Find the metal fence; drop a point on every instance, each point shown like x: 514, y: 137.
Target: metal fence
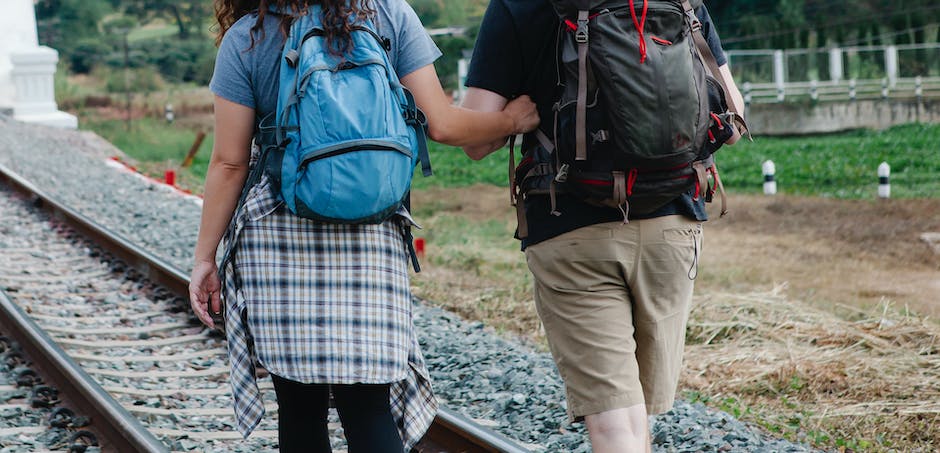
x: 838, y: 74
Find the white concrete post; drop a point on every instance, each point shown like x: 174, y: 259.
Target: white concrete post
x: 884, y: 183
x: 835, y: 65
x: 891, y: 65
x: 770, y: 183
x: 18, y: 23
x: 33, y: 74
x: 27, y: 70
x: 780, y: 74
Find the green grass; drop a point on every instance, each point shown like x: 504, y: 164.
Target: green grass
x: 152, y: 141
x: 452, y: 168
x: 838, y: 165
x: 152, y: 32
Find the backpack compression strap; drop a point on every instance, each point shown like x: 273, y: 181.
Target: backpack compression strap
x: 581, y: 37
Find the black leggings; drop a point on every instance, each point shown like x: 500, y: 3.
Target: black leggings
x: 364, y: 410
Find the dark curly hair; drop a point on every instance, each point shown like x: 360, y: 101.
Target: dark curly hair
x: 336, y: 17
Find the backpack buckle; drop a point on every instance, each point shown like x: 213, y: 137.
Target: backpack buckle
x: 694, y: 23
x: 581, y: 34
x: 562, y: 175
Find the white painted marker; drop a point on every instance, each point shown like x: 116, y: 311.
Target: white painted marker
x: 770, y: 185
x: 884, y: 185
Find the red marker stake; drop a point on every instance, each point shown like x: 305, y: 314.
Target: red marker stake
x: 169, y: 177
x: 419, y: 247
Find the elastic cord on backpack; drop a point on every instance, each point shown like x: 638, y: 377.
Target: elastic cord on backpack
x: 640, y: 24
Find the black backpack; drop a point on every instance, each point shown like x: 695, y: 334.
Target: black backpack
x: 639, y: 113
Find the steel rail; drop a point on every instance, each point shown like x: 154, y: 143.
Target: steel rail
x: 450, y: 431
x: 117, y: 429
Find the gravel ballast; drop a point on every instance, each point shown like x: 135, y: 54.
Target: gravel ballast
x: 507, y: 385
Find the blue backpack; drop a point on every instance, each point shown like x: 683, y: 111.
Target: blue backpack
x: 348, y: 135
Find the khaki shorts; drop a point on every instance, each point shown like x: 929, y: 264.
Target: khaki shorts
x: 614, y: 300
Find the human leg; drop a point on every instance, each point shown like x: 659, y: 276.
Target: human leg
x: 302, y: 416
x: 623, y: 430
x: 584, y: 303
x: 662, y: 287
x: 366, y: 413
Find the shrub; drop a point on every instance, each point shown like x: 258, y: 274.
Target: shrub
x: 137, y: 80
x: 86, y: 54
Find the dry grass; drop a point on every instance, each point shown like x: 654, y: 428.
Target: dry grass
x: 825, y: 358
x: 872, y: 384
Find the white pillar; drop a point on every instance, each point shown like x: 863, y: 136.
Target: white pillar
x: 27, y: 70
x: 835, y: 65
x: 780, y: 74
x: 18, y: 23
x: 891, y: 65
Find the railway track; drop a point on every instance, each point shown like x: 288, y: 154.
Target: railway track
x: 105, y: 328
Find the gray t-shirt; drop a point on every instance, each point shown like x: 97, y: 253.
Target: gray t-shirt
x: 250, y: 76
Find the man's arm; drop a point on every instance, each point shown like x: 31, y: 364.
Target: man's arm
x: 736, y: 98
x: 484, y: 101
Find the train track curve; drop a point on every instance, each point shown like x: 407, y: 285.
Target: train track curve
x: 133, y: 359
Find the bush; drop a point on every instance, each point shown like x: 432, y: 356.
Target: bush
x: 136, y: 80
x: 178, y: 60
x: 86, y: 54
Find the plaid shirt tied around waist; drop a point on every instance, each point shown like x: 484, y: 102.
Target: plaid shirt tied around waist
x: 321, y: 303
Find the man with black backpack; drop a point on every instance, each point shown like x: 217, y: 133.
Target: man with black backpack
x: 635, y: 97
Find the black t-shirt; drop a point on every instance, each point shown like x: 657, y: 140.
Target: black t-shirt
x: 515, y: 55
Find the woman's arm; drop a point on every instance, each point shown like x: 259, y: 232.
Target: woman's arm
x: 228, y: 169
x: 453, y: 125
x: 483, y: 101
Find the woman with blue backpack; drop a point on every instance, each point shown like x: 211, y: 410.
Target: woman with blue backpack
x: 313, y: 127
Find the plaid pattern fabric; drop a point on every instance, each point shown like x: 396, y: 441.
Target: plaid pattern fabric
x: 321, y: 303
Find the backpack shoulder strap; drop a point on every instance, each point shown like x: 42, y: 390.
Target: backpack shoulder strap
x: 711, y: 64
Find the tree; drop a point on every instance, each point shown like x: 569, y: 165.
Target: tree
x: 189, y: 16
x: 62, y: 23
x: 429, y: 11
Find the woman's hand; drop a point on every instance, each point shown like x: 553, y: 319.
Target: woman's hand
x: 204, y: 288
x: 523, y: 114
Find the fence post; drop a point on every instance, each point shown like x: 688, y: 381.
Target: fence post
x: 891, y: 65
x: 852, y: 94
x: 884, y: 88
x: 919, y: 88
x: 814, y: 90
x: 780, y: 74
x: 747, y: 95
x: 835, y: 64
x: 461, y: 79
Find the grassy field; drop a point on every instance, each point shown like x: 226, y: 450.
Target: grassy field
x: 839, y: 165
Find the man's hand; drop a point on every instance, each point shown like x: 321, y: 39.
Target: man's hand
x: 523, y: 114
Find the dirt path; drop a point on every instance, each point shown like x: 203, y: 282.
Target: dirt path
x: 829, y: 252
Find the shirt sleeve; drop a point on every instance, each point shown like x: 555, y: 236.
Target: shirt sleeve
x: 413, y: 48
x: 231, y: 78
x: 496, y: 64
x: 711, y: 35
